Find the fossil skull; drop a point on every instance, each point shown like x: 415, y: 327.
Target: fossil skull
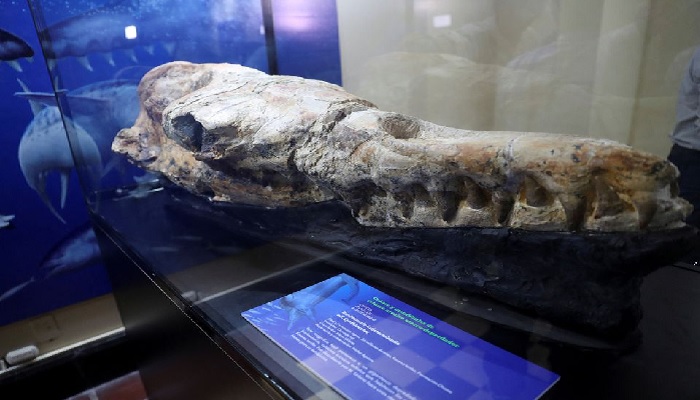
x: 236, y: 134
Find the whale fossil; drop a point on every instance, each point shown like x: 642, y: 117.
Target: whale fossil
x: 607, y: 213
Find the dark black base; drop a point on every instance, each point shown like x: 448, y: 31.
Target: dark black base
x: 589, y: 282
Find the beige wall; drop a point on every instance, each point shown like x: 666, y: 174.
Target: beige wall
x: 600, y: 68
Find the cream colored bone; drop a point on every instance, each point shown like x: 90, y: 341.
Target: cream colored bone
x: 237, y: 134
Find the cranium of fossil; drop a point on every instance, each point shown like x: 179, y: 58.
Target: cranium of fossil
x: 237, y: 134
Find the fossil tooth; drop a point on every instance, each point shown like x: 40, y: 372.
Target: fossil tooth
x: 607, y: 202
x: 476, y: 197
x: 449, y: 202
x: 535, y: 194
x: 674, y: 189
x: 575, y: 206
x: 503, y: 206
x: 646, y: 206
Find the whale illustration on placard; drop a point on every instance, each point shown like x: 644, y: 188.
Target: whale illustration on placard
x: 303, y: 303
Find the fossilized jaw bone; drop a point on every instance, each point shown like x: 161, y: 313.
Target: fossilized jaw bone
x: 237, y: 134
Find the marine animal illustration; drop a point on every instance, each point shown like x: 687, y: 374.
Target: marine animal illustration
x: 101, y: 109
x: 77, y: 250
x: 303, y: 303
x: 13, y: 48
x: 44, y: 149
x: 16, y: 289
x: 101, y: 31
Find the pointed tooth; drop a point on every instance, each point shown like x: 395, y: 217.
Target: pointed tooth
x: 607, y: 203
x: 109, y: 58
x: 406, y: 203
x: 132, y: 56
x: 169, y: 47
x: 149, y: 49
x: 421, y: 195
x: 646, y: 206
x: 674, y: 189
x: 477, y: 197
x: 535, y: 195
x: 575, y: 208
x: 15, y: 65
x: 85, y: 63
x: 449, y: 204
x: 503, y: 203
x: 65, y: 176
x: 51, y: 62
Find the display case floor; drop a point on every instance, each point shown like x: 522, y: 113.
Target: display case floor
x: 219, y: 271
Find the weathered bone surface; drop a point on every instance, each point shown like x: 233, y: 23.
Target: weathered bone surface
x: 592, y: 216
x: 240, y: 135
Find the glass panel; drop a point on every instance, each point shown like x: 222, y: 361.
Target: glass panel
x: 607, y: 69
x: 458, y: 230
x: 98, y: 51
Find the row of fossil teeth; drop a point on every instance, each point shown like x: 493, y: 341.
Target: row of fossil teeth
x: 453, y: 201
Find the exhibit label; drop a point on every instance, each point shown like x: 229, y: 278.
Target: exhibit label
x: 369, y: 345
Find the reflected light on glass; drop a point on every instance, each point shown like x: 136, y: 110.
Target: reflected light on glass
x: 442, y: 21
x: 130, y: 32
x: 294, y: 16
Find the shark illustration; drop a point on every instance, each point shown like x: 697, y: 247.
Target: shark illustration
x: 77, y: 250
x: 44, y: 149
x: 303, y: 303
x: 13, y: 48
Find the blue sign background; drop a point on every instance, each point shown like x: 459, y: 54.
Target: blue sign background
x: 369, y: 345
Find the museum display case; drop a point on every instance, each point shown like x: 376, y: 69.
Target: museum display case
x: 412, y: 199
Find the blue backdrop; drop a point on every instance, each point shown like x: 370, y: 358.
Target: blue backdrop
x: 45, y: 263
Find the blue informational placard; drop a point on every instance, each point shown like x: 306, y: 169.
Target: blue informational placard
x: 369, y: 345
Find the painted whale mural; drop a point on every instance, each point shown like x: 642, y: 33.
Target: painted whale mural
x: 6, y: 220
x: 102, y: 109
x: 44, y: 150
x: 123, y: 26
x: 12, y: 48
x: 77, y: 250
x: 99, y: 111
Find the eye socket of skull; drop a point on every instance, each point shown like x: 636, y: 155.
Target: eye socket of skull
x: 400, y: 126
x: 188, y: 132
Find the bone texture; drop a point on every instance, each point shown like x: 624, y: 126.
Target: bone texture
x: 239, y: 135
